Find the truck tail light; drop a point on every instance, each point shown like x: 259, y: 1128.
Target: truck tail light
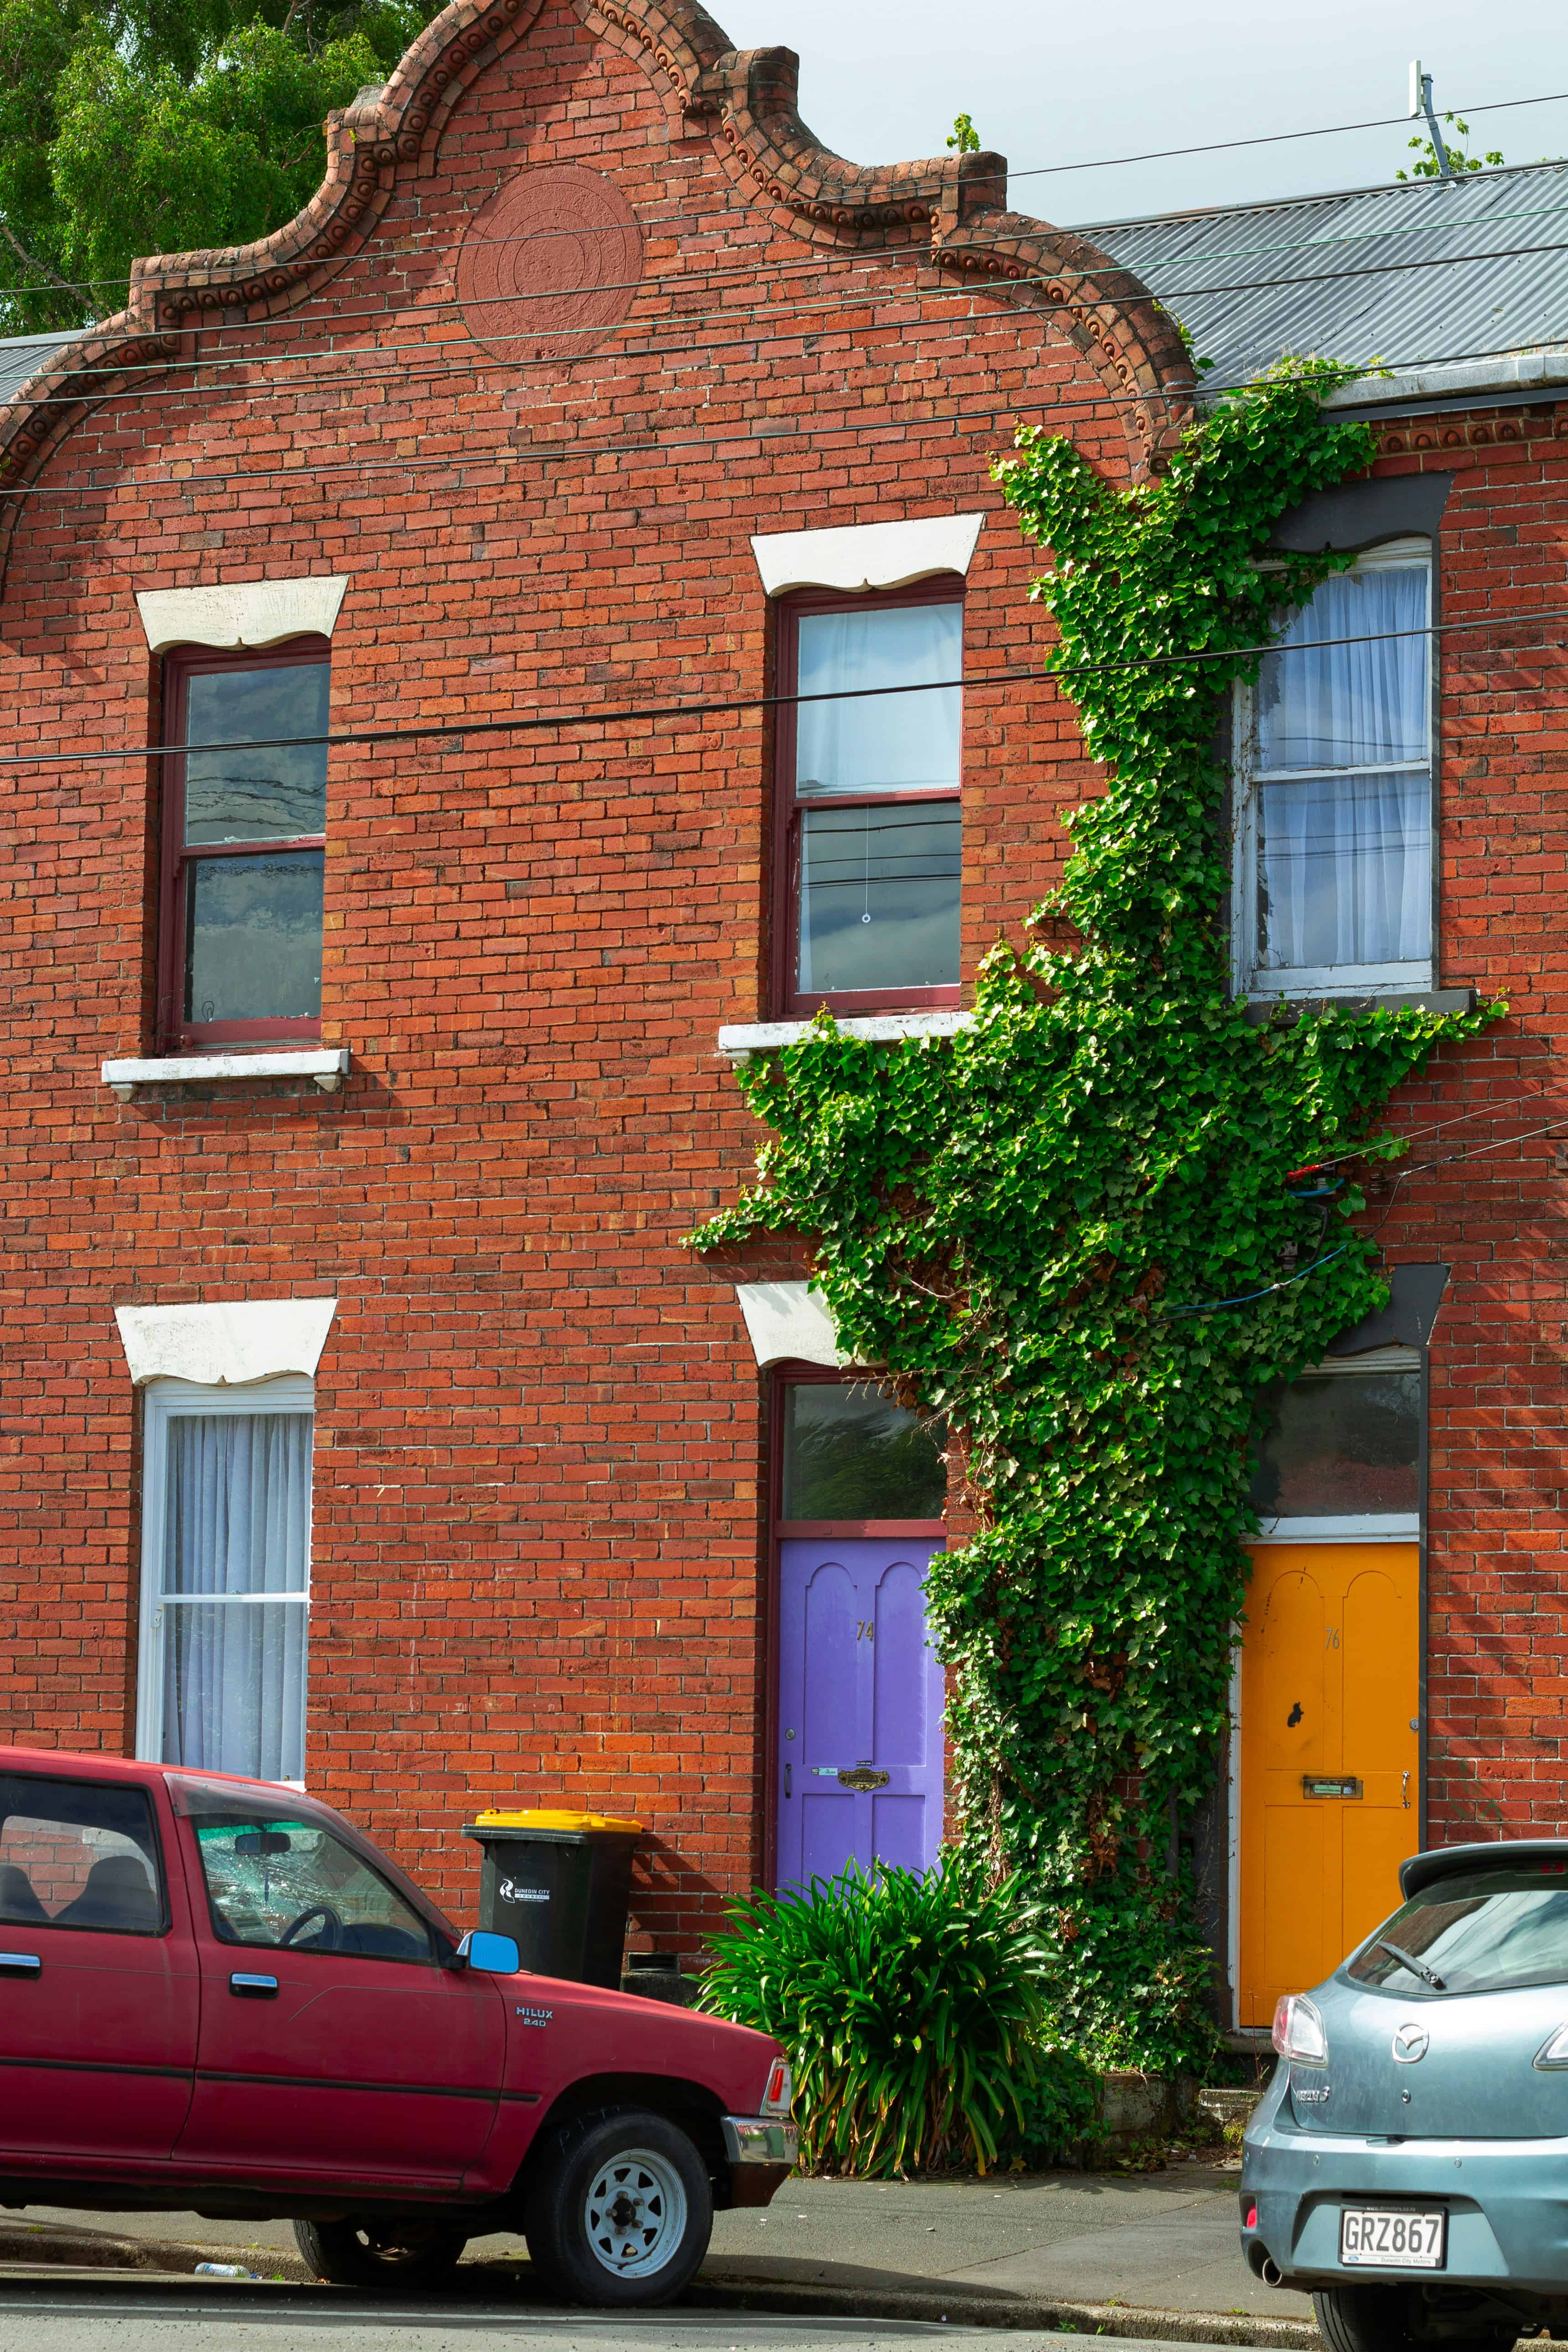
x: 779, y: 2092
x: 1299, y: 2033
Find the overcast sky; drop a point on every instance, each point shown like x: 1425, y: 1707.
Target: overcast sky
x: 882, y: 80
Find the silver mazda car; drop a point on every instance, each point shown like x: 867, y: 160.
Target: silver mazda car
x: 1408, y: 2164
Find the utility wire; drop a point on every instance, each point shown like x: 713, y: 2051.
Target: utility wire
x: 824, y: 259
x: 531, y: 722
x: 554, y: 451
x: 770, y: 430
x: 1414, y: 1135
x: 1460, y: 1160
x: 917, y: 189
x: 1214, y: 1306
x: 769, y: 326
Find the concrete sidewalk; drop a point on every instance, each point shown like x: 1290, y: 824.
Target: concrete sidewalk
x: 1150, y: 2254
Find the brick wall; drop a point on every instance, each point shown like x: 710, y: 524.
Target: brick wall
x: 539, y: 1482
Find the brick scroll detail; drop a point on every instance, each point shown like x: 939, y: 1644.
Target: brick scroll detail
x: 954, y: 206
x: 950, y: 210
x: 560, y: 244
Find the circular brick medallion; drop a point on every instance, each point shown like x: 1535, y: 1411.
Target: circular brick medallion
x: 552, y: 263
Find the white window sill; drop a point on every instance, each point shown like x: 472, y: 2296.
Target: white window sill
x: 1368, y: 1527
x: 743, y: 1039
x: 325, y: 1064
x: 1392, y: 998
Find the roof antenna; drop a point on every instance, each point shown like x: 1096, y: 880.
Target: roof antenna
x: 1421, y: 103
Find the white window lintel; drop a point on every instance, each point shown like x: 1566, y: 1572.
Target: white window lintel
x: 788, y: 1322
x: 252, y: 613
x: 225, y: 1343
x: 325, y: 1064
x: 858, y: 556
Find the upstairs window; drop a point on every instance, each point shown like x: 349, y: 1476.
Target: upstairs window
x: 244, y: 847
x: 869, y: 822
x: 1333, y: 875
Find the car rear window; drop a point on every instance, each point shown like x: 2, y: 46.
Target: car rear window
x: 1479, y: 1931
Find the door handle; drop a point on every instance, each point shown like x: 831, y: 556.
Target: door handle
x: 789, y: 1781
x: 20, y: 1964
x: 248, y: 1987
x: 1404, y: 1790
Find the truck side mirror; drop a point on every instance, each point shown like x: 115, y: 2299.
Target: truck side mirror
x: 494, y: 1956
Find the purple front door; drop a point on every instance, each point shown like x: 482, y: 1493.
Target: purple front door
x: 860, y: 1692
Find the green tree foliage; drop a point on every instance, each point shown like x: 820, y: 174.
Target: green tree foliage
x: 1426, y: 166
x: 1037, y: 1225
x: 133, y: 127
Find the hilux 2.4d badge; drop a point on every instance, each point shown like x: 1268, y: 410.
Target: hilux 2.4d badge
x: 216, y: 1995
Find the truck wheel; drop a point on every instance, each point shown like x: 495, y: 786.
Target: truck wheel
x: 1377, y: 2319
x: 369, y: 2253
x: 620, y: 2210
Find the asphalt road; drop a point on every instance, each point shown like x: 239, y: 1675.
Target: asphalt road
x: 56, y: 2315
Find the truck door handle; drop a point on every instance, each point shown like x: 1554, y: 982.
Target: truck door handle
x: 248, y: 1987
x: 1404, y: 1790
x: 20, y: 1964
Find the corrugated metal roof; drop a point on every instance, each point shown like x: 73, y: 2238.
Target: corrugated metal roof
x: 1418, y: 272
x: 22, y: 356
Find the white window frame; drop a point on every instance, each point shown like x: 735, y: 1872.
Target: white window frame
x: 165, y: 1401
x: 1414, y: 976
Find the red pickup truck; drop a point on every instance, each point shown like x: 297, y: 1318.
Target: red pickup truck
x: 215, y: 1995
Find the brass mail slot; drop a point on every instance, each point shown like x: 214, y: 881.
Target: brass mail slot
x: 1317, y: 1784
x: 861, y: 1777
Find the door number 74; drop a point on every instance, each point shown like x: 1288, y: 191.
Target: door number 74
x: 866, y: 1630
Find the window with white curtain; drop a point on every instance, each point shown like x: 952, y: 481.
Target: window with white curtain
x: 1333, y: 873
x: 226, y: 1576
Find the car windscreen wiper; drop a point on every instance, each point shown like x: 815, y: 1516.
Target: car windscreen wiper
x: 1409, y: 1960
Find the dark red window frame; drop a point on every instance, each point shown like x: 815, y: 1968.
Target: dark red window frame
x: 787, y: 997
x: 175, y: 1033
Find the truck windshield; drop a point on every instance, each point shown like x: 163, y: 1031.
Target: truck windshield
x: 1479, y: 1931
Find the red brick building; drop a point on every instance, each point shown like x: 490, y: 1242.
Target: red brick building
x: 589, y: 414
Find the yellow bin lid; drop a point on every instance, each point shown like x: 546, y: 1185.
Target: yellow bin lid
x: 494, y: 1820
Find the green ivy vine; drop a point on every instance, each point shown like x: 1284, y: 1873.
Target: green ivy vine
x: 1030, y: 1223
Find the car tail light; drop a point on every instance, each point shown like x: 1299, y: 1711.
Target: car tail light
x: 1249, y: 2219
x: 776, y: 2098
x: 1554, y: 2054
x: 1299, y: 2033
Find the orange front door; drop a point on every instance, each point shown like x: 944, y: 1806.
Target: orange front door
x: 1329, y: 1690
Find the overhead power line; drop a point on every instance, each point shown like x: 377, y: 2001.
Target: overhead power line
x: 613, y: 714
x: 891, y: 418
x: 823, y: 260
x: 771, y: 327
x: 1279, y: 138
x: 917, y: 188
